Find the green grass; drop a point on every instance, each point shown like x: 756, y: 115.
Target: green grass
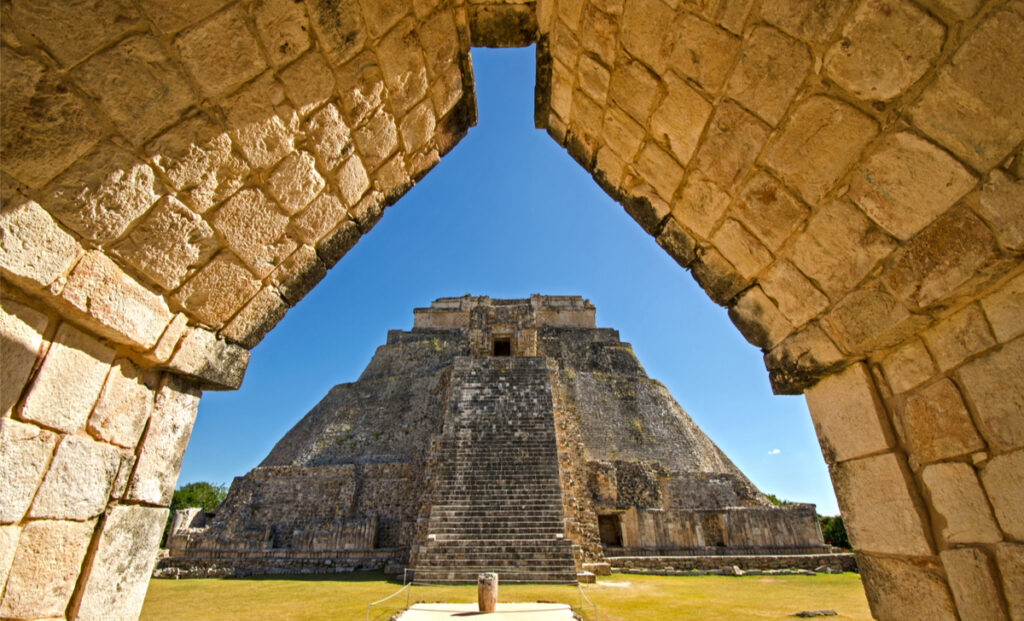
x: 621, y: 597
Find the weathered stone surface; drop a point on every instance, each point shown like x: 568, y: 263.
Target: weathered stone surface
x: 956, y: 338
x: 995, y: 386
x: 770, y: 71
x: 401, y: 60
x: 21, y: 335
x: 217, y: 290
x: 795, y: 296
x: 338, y: 242
x: 261, y: 314
x: 733, y: 139
x: 848, y: 415
x: 124, y: 405
x: 1003, y: 478
x: 378, y: 139
x: 624, y: 135
x: 262, y: 124
x: 168, y: 243
x: 884, y: 49
x: 33, y: 249
x: 593, y: 78
x: 701, y: 204
x: 295, y: 182
x: 1003, y: 309
x: 905, y: 588
x: 642, y: 31
x: 46, y: 126
x: 169, y: 339
x: 218, y: 365
x: 1010, y: 557
x: 45, y: 568
x: 102, y: 193
x: 908, y: 366
x: 758, y: 319
x: 220, y: 53
x: 973, y: 106
x: 330, y: 136
x: 1002, y: 204
x: 973, y: 580
x: 881, y: 510
x: 934, y: 424
x: 283, y: 28
x: 634, y: 89
x: 8, y: 544
x: 23, y: 460
x: 959, y: 507
x: 677, y: 242
x: 70, y: 31
x: 659, y: 169
x: 906, y: 183
x: 870, y: 318
x: 392, y: 179
x: 78, y: 481
x: 716, y: 276
x: 123, y: 562
x: 677, y: 122
x: 308, y: 82
x: 598, y: 34
x: 152, y: 99
x: 322, y: 215
x: 361, y: 85
x: 417, y: 128
x: 839, y: 248
x: 807, y: 19
x: 117, y: 306
x: 173, y: 15
x: 768, y: 210
x: 440, y: 42
x: 253, y: 228
x: 164, y: 442
x: 298, y: 274
x: 703, y: 52
x: 824, y: 131
x: 69, y: 381
x: 741, y: 248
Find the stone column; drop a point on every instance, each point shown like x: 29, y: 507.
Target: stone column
x: 487, y: 592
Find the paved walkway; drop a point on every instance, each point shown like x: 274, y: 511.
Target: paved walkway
x: 505, y: 612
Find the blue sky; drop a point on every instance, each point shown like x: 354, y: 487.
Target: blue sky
x: 508, y: 213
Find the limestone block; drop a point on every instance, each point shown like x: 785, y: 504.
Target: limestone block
x: 934, y: 424
x: 361, y: 85
x: 905, y: 588
x: 120, y: 569
x: 102, y: 193
x: 117, y: 306
x: 680, y: 119
x: 821, y: 139
x: 368, y: 210
x: 961, y: 8
x: 703, y: 52
x: 884, y: 49
x: 331, y: 138
x: 168, y: 243
x: 262, y: 124
x: 561, y: 90
x: 8, y: 544
x: 417, y: 128
x: 768, y: 210
x: 295, y: 182
x: 741, y: 248
x: 593, y: 78
x: 33, y: 249
x: 880, y: 507
x: 716, y: 276
x: 261, y: 314
x: 169, y: 339
x: 677, y: 242
x: 807, y: 19
x: 801, y: 360
x: 701, y: 204
x: 298, y: 274
x: 21, y: 335
x: 173, y: 15
x: 848, y: 415
x: 795, y: 296
x: 634, y: 89
x: 1003, y: 478
x: 217, y: 290
x: 392, y: 179
x: 974, y: 582
x: 23, y: 460
x: 599, y: 34
x: 383, y: 14
x: 870, y: 318
x: 338, y: 242
x: 569, y: 11
x: 220, y: 53
x: 197, y: 158
x: 440, y: 42
x: 283, y: 28
x: 609, y: 168
x: 758, y: 319
x: 69, y: 381
x: 71, y: 31
x: 401, y: 60
x: 906, y: 183
x: 308, y: 82
x: 378, y: 139
x: 584, y: 128
x: 958, y: 337
x: 445, y: 92
x: 152, y: 99
x: 78, y: 482
x: 218, y: 365
x: 624, y: 135
x: 908, y: 366
x: 959, y: 507
x: 771, y: 68
x: 46, y: 126
x: 1002, y: 204
x: 45, y: 569
x: 657, y: 168
x: 1003, y: 309
x: 643, y: 204
x: 733, y: 139
x: 252, y: 227
x: 1010, y: 558
x: 124, y: 405
x: 124, y: 472
x: 643, y: 33
x: 973, y: 106
x: 164, y: 443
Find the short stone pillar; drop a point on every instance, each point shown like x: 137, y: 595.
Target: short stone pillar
x: 487, y: 591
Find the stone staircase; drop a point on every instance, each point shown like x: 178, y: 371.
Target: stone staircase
x: 496, y: 503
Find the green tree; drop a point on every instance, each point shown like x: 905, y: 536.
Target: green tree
x: 833, y: 530
x: 201, y: 494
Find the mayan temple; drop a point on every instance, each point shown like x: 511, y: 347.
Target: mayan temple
x: 496, y: 435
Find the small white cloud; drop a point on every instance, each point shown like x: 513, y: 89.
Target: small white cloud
x: 774, y: 452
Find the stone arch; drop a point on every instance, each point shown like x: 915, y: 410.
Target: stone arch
x: 844, y: 176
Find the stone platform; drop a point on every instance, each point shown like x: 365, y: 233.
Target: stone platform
x: 508, y: 612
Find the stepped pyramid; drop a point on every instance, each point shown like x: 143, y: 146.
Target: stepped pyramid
x: 496, y: 435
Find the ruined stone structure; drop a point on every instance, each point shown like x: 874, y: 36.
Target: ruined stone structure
x: 844, y: 175
x: 497, y: 435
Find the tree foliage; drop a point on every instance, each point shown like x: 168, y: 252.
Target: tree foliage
x: 206, y: 496
x: 833, y: 530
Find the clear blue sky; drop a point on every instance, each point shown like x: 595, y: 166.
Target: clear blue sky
x: 508, y: 213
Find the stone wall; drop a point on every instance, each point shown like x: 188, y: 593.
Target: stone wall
x: 772, y: 529
x: 673, y: 564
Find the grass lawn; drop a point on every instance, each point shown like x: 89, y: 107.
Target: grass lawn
x: 620, y: 597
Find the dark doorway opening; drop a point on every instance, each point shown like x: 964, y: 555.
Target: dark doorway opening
x: 611, y: 530
x: 503, y: 347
